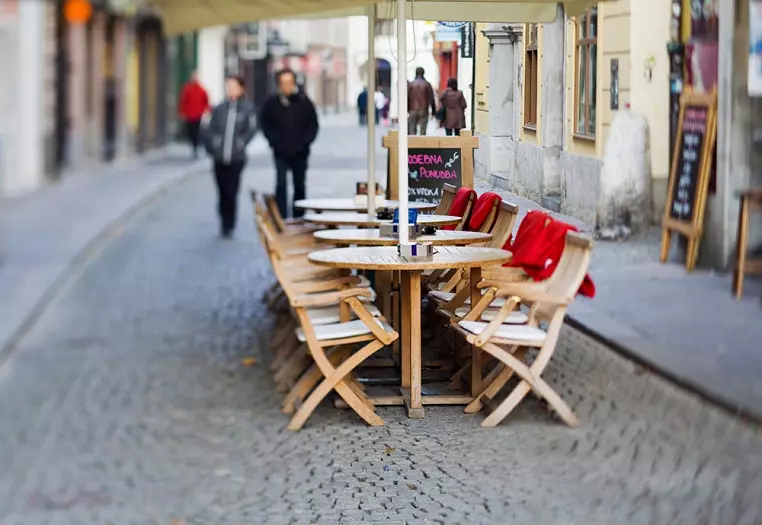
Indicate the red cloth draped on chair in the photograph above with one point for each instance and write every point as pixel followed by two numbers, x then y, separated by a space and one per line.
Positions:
pixel 538 246
pixel 459 206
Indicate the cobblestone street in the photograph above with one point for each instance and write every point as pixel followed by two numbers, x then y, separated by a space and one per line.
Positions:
pixel 127 403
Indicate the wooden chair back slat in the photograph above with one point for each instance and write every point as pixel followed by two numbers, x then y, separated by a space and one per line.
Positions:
pixel 503 226
pixel 467 213
pixel 274 211
pixel 569 274
pixel 448 196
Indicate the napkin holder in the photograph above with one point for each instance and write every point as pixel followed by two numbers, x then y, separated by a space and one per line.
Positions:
pixel 393 230
pixel 416 251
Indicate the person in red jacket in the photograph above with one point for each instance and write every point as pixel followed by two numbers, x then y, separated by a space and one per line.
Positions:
pixel 194 103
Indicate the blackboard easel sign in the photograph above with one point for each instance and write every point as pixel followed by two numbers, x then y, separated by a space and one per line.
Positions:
pixel 689 176
pixel 432 163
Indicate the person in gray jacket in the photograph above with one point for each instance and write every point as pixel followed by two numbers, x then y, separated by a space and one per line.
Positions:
pixel 226 132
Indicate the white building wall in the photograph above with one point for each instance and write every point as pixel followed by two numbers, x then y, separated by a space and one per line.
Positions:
pixel 22 50
pixel 211 62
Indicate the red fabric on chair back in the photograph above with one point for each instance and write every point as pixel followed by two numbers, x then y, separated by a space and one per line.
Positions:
pixel 459 205
pixel 482 209
pixel 538 247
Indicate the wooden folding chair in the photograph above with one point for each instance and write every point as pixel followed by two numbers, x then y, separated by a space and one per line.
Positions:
pixel 444 289
pixel 330 345
pixel 509 343
pixel 291 358
pixel 448 196
pixel 290 226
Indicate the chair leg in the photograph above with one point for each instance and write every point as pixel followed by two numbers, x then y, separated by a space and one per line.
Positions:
pixel 531 381
pixel 288 375
pixel 309 380
pixel 335 380
pixel 493 387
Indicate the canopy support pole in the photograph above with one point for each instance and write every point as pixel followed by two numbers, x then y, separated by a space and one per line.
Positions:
pixel 402 169
pixel 371 110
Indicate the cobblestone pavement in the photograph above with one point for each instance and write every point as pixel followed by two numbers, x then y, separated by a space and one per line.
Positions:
pixel 128 404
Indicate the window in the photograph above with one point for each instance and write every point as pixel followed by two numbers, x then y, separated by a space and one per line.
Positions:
pixel 530 78
pixel 587 66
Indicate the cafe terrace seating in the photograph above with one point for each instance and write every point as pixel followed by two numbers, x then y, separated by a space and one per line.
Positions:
pixel 331 315
pixel 328 325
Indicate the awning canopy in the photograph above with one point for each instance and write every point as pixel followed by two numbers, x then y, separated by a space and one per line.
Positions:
pixel 189 15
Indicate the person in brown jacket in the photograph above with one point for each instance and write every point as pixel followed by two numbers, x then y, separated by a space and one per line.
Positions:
pixel 420 97
pixel 454 104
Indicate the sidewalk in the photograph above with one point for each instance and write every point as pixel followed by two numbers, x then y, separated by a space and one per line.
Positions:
pixel 688 326
pixel 46 234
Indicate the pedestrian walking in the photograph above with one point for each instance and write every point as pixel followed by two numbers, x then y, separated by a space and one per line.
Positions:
pixel 362 106
pixel 453 104
pixel 290 124
pixel 226 133
pixel 193 104
pixel 380 101
pixel 420 97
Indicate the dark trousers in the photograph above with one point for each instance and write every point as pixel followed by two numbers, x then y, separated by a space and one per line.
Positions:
pixel 194 133
pixel 450 132
pixel 228 177
pixel 297 165
pixel 363 117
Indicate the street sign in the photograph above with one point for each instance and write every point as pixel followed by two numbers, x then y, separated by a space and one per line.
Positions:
pixel 447 33
pixel 467 41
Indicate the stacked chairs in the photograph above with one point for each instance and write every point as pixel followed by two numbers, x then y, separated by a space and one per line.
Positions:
pixel 328 329
pixel 524 348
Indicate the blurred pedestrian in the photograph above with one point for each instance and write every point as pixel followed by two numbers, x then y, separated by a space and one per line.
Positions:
pixel 420 97
pixel 453 103
pixel 380 101
pixel 362 106
pixel 290 124
pixel 193 104
pixel 226 133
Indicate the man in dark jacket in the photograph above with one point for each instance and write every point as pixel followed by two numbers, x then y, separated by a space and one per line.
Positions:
pixel 420 97
pixel 289 122
pixel 226 133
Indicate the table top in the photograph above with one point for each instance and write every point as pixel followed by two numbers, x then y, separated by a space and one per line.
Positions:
pixel 387 258
pixel 374 238
pixel 362 219
pixel 350 205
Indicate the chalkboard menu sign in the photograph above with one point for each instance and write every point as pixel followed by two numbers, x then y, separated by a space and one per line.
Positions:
pixel 429 170
pixel 432 163
pixel 689 163
pixel 689 177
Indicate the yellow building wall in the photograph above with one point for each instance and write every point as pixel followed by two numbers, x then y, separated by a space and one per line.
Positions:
pixel 481 81
pixel 133 90
pixel 650 95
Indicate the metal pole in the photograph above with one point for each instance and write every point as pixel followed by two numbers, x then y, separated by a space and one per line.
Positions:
pixel 402 167
pixel 474 38
pixel 371 110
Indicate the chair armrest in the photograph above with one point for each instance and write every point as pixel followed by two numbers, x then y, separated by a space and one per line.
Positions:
pixel 329 285
pixel 509 306
pixel 531 293
pixel 328 299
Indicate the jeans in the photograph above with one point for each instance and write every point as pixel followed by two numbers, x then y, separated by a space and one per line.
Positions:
pixel 297 165
pixel 228 177
pixel 451 131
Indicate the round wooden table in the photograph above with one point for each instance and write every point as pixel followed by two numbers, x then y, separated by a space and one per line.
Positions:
pixel 351 205
pixel 387 259
pixel 374 238
pixel 363 220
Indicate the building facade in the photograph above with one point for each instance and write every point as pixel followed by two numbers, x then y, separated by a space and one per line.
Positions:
pixel 591 104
